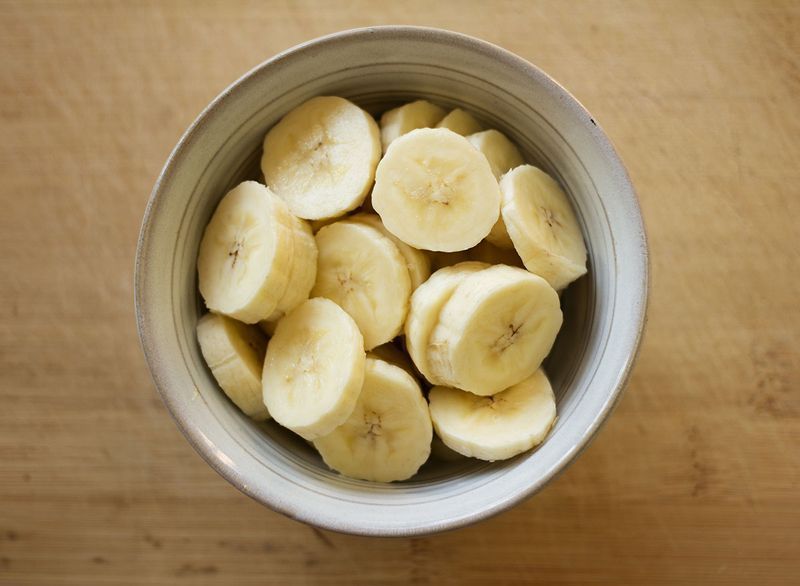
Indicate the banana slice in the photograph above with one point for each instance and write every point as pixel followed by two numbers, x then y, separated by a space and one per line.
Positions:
pixel 418 263
pixel 314 369
pixel 388 435
pixel 246 252
pixel 501 153
pixel 494 255
pixel 434 191
pixel 426 305
pixel 497 427
pixel 542 225
pixel 363 271
pixel 302 272
pixel 441 452
pixel 321 157
pixel 460 122
pixel 502 156
pixel 408 117
pixel 494 331
pixel 498 235
pixel 235 354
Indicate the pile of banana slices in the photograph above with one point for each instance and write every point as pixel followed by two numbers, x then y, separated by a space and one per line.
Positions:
pixel 389 281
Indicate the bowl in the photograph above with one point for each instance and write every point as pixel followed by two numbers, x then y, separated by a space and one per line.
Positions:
pixel 378 67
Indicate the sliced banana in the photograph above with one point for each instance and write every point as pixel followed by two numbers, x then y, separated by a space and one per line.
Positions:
pixel 503 156
pixel 418 263
pixel 501 153
pixel 387 437
pixel 494 331
pixel 542 225
pixel 363 271
pixel 434 191
pixel 497 427
pixel 460 122
pixel 246 252
pixel 494 255
pixel 408 117
pixel 441 452
pixel 498 235
pixel 314 369
pixel 426 305
pixel 235 354
pixel 321 157
pixel 302 272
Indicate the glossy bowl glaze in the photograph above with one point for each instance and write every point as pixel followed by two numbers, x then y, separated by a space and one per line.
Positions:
pixel 376 68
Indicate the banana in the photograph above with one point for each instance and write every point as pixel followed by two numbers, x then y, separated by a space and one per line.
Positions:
pixel 502 156
pixel 542 225
pixel 321 157
pixel 363 271
pixel 314 369
pixel 434 191
pixel 301 277
pixel 408 117
pixel 246 253
pixel 460 122
pixel 497 427
pixel 494 331
pixel 441 452
pixel 302 272
pixel 494 255
pixel 235 353
pixel 387 437
pixel 498 235
pixel 501 153
pixel 417 262
pixel 426 305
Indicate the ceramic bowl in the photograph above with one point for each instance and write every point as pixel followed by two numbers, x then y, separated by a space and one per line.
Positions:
pixel 376 68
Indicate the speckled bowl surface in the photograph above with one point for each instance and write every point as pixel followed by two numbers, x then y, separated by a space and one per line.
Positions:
pixel 376 68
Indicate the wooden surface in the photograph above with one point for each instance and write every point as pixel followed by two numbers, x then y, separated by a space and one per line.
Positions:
pixel 696 479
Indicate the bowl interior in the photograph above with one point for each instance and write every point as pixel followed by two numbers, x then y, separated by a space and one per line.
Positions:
pixel 378 70
pixel 577 301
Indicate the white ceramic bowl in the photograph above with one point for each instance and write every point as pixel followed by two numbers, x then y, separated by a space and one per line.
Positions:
pixel 377 67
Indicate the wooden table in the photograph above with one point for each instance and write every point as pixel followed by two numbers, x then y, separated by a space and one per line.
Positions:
pixel 696 479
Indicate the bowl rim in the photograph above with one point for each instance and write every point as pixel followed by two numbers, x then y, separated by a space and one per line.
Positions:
pixel 639 317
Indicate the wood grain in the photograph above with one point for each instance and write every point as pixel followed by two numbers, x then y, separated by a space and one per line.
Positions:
pixel 694 480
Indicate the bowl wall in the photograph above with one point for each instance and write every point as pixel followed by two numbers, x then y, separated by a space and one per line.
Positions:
pixel 377 68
